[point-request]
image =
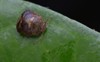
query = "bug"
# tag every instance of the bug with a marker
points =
(30, 24)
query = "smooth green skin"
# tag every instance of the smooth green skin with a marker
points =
(65, 40)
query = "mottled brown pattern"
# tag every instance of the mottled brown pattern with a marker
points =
(30, 24)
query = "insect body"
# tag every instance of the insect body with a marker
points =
(30, 24)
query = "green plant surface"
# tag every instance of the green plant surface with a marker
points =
(65, 40)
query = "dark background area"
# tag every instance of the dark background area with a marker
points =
(84, 11)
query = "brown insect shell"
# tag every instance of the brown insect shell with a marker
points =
(30, 24)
